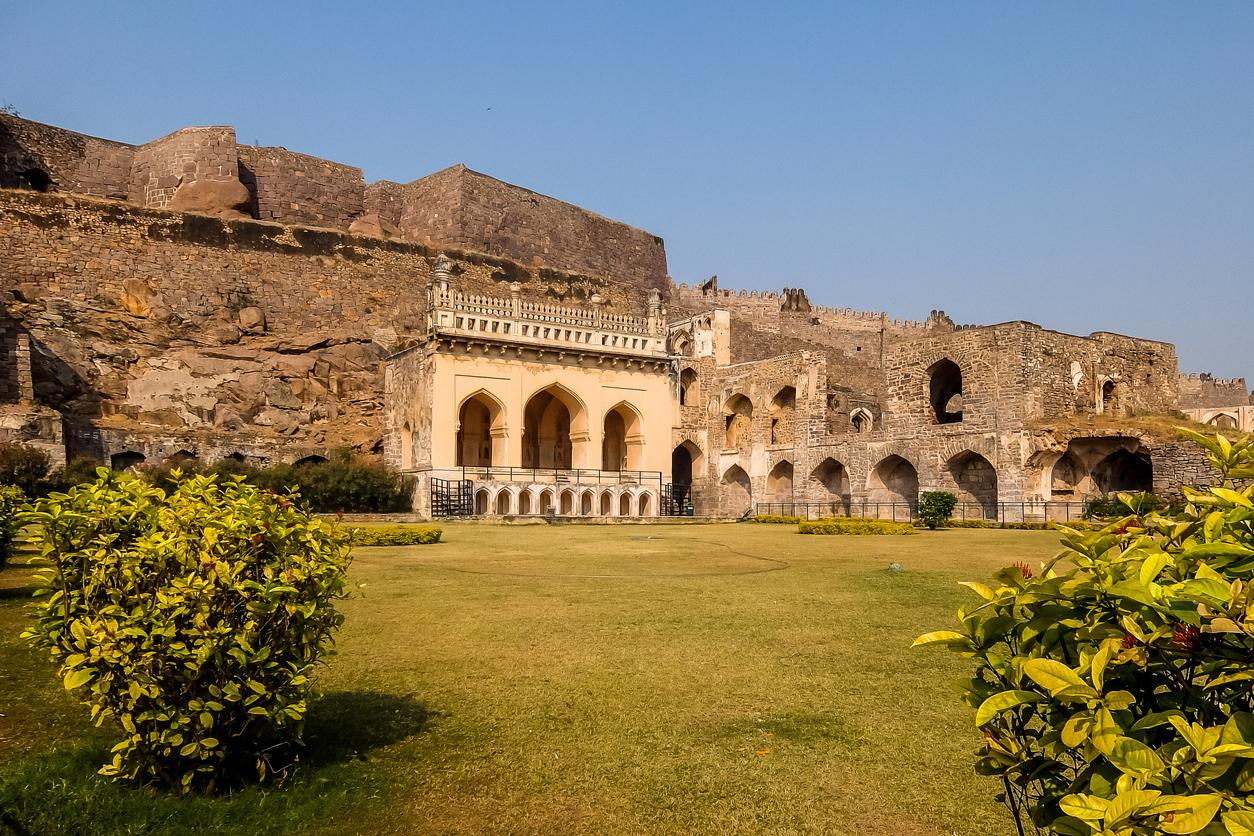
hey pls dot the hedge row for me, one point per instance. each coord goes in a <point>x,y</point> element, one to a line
<point>777,518</point>
<point>853,526</point>
<point>396,535</point>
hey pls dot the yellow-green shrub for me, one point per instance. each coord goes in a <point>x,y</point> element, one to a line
<point>1111,686</point>
<point>777,518</point>
<point>854,526</point>
<point>192,620</point>
<point>397,535</point>
<point>11,501</point>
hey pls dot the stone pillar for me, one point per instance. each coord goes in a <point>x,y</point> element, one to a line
<point>656,322</point>
<point>25,382</point>
<point>441,274</point>
<point>515,300</point>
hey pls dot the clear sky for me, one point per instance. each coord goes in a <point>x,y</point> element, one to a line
<point>1087,166</point>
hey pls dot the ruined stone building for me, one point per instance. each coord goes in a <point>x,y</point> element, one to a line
<point>517,355</point>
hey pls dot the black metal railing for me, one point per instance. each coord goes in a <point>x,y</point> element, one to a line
<point>676,501</point>
<point>451,498</point>
<point>1001,512</point>
<point>555,476</point>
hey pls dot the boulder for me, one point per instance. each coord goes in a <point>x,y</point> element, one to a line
<point>220,198</point>
<point>373,225</point>
<point>252,319</point>
<point>137,297</point>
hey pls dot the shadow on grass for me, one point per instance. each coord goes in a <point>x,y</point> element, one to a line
<point>345,725</point>
<point>59,793</point>
<point>16,592</point>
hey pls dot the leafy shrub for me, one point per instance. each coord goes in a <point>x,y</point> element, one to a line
<point>1113,689</point>
<point>193,620</point>
<point>854,526</point>
<point>23,466</point>
<point>396,535</point>
<point>77,471</point>
<point>349,483</point>
<point>777,518</point>
<point>1110,507</point>
<point>935,508</point>
<point>971,523</point>
<point>11,502</point>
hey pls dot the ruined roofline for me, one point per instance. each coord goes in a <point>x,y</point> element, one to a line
<point>775,297</point>
<point>461,169</point>
<point>1209,378</point>
<point>12,118</point>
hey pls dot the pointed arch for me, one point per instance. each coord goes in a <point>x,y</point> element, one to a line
<point>622,439</point>
<point>555,429</point>
<point>830,481</point>
<point>624,504</point>
<point>894,480</point>
<point>689,394</point>
<point>783,415</point>
<point>645,505</point>
<point>779,482</point>
<point>862,420</point>
<point>737,491</point>
<point>945,391</point>
<point>607,503</point>
<point>738,421</point>
<point>976,481</point>
<point>482,433</point>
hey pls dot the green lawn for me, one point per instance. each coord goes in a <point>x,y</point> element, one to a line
<point>588,679</point>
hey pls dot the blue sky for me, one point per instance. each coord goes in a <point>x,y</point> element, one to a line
<point>1085,166</point>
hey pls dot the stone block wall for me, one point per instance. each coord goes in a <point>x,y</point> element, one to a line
<point>470,210</point>
<point>72,161</point>
<point>1201,391</point>
<point>386,199</point>
<point>297,189</point>
<point>185,156</point>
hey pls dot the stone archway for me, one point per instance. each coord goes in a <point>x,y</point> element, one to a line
<point>555,430</point>
<point>622,442</point>
<point>976,482</point>
<point>894,481</point>
<point>779,483</point>
<point>1124,471</point>
<point>783,416</point>
<point>481,432</point>
<point>737,491</point>
<point>738,421</point>
<point>830,482</point>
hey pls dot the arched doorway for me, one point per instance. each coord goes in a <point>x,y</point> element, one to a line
<point>831,481</point>
<point>644,505</point>
<point>779,483</point>
<point>945,391</point>
<point>1064,478</point>
<point>894,481</point>
<point>585,504</point>
<point>525,504</point>
<point>1223,421</point>
<point>624,505</point>
<point>622,442</point>
<point>784,416</point>
<point>1124,471</point>
<point>568,503</point>
<point>504,503</point>
<point>481,502</point>
<point>737,493</point>
<point>480,432</point>
<point>976,481</point>
<point>607,504</point>
<point>126,460</point>
<point>555,430</point>
<point>546,502</point>
<point>738,421</point>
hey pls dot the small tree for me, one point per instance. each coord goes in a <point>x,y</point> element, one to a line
<point>23,466</point>
<point>11,502</point>
<point>935,508</point>
<point>1113,689</point>
<point>193,620</point>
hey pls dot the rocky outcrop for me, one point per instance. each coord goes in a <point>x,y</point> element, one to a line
<point>220,198</point>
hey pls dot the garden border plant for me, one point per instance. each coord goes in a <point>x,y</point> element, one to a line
<point>191,620</point>
<point>1113,687</point>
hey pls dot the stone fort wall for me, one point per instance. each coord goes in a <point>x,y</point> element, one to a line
<point>1201,391</point>
<point>457,207</point>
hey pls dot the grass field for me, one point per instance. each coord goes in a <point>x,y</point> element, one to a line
<point>588,679</point>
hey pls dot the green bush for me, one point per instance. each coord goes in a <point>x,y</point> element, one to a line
<point>23,466</point>
<point>969,523</point>
<point>346,482</point>
<point>935,508</point>
<point>191,619</point>
<point>396,535</point>
<point>777,518</point>
<point>1113,688</point>
<point>1109,507</point>
<point>854,526</point>
<point>12,501</point>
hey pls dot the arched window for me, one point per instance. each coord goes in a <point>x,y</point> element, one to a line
<point>738,420</point>
<point>688,394</point>
<point>861,420</point>
<point>945,391</point>
<point>784,416</point>
<point>1108,397</point>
